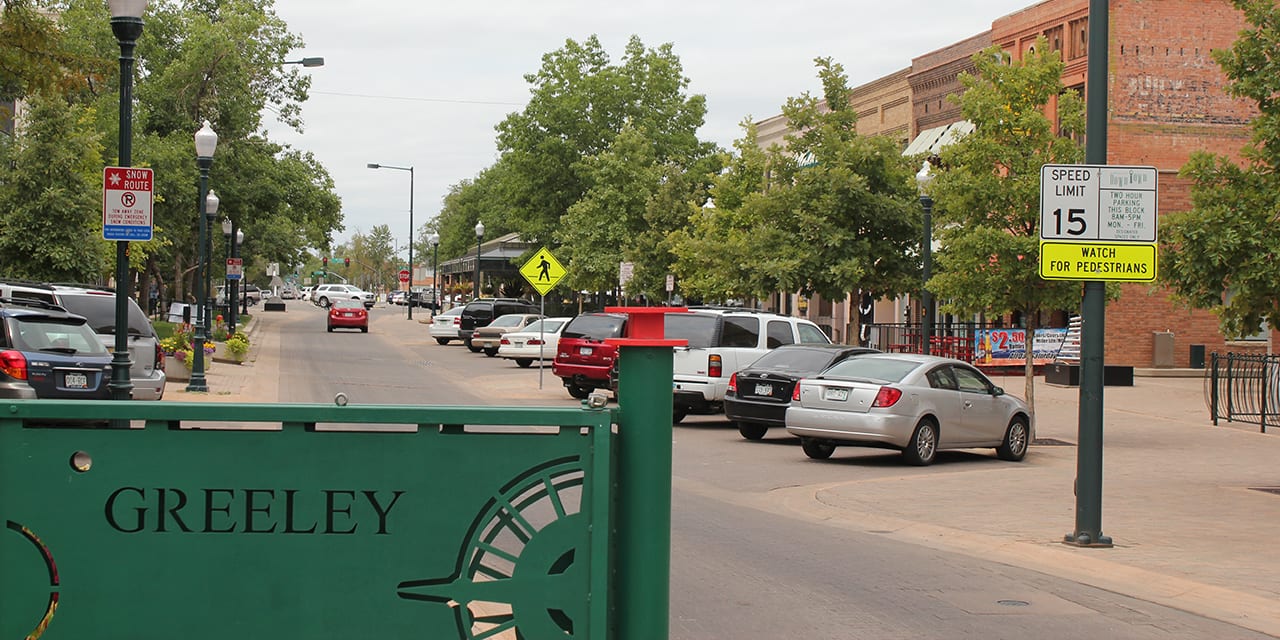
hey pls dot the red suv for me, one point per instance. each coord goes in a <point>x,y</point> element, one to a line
<point>583,360</point>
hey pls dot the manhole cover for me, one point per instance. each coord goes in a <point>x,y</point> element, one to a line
<point>1051,442</point>
<point>1013,603</point>
<point>1275,490</point>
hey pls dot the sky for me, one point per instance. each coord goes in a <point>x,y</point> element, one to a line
<point>423,84</point>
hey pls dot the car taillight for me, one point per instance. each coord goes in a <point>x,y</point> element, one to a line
<point>795,395</point>
<point>13,364</point>
<point>504,341</point>
<point>457,321</point>
<point>715,367</point>
<point>733,383</point>
<point>534,342</point>
<point>887,397</point>
<point>159,357</point>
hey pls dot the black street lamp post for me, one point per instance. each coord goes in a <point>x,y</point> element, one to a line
<point>923,178</point>
<point>228,227</point>
<point>234,291</point>
<point>475,293</point>
<point>409,294</point>
<point>434,238</point>
<point>242,289</point>
<point>126,24</point>
<point>206,144</point>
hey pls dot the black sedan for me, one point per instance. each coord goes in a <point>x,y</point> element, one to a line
<point>759,395</point>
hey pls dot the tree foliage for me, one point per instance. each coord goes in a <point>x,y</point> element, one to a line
<point>1221,254</point>
<point>846,221</point>
<point>987,190</point>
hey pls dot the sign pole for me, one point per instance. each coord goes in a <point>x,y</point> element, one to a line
<point>1088,531</point>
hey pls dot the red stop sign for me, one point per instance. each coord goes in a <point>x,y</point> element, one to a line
<point>404,275</point>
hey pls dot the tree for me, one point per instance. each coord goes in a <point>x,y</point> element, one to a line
<point>847,221</point>
<point>581,103</point>
<point>50,201</point>
<point>1221,254</point>
<point>987,191</point>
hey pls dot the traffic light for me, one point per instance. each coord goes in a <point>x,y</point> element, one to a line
<point>346,262</point>
<point>325,262</point>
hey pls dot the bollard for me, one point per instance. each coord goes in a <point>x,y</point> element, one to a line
<point>644,474</point>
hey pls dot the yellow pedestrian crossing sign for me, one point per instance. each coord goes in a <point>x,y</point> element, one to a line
<point>542,271</point>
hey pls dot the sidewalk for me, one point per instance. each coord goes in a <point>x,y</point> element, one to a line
<point>1179,495</point>
<point>1179,501</point>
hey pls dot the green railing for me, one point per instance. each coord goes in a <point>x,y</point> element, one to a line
<point>215,520</point>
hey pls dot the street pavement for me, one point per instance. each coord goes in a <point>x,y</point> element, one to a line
<point>1187,504</point>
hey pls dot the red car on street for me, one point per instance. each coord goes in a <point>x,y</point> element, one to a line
<point>583,361</point>
<point>348,314</point>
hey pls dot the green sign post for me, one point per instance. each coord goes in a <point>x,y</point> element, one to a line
<point>212,520</point>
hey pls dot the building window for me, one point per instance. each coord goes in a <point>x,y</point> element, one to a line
<point>1054,36</point>
<point>1078,45</point>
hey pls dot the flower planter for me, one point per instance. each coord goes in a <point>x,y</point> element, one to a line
<point>180,371</point>
<point>222,353</point>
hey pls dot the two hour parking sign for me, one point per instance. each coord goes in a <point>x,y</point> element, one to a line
<point>126,203</point>
<point>1098,222</point>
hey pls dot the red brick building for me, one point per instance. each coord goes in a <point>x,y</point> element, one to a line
<point>1166,101</point>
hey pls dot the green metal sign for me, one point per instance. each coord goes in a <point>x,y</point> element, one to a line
<point>438,531</point>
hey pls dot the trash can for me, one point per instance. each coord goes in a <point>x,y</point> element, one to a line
<point>1197,356</point>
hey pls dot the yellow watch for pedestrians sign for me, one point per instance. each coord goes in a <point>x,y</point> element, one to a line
<point>1098,222</point>
<point>542,271</point>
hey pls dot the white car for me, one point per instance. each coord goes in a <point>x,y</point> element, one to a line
<point>445,325</point>
<point>326,292</point>
<point>534,342</point>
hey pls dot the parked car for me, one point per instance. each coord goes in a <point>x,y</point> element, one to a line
<point>47,352</point>
<point>98,307</point>
<point>722,341</point>
<point>27,289</point>
<point>444,327</point>
<point>347,313</point>
<point>583,361</point>
<point>914,403</point>
<point>489,337</point>
<point>324,294</point>
<point>423,297</point>
<point>758,396</point>
<point>250,293</point>
<point>479,313</point>
<point>398,297</point>
<point>534,342</point>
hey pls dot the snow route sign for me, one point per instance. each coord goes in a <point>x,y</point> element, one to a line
<point>126,203</point>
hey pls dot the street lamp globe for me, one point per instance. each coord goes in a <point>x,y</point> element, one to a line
<point>226,227</point>
<point>206,141</point>
<point>239,236</point>
<point>126,8</point>
<point>479,229</point>
<point>924,177</point>
<point>211,204</point>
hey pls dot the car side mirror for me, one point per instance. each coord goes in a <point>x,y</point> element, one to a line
<point>997,391</point>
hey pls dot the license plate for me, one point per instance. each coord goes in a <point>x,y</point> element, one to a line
<point>835,395</point>
<point>764,389</point>
<point>76,381</point>
<point>586,351</point>
<point>517,343</point>
<point>348,314</point>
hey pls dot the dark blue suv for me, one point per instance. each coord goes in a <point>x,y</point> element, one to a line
<point>46,352</point>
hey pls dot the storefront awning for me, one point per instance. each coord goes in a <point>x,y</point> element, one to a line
<point>931,141</point>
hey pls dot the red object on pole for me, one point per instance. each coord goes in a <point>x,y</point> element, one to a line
<point>404,275</point>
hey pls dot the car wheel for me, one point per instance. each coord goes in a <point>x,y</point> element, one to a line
<point>442,341</point>
<point>491,352</point>
<point>324,302</point>
<point>330,329</point>
<point>752,430</point>
<point>524,362</point>
<point>471,347</point>
<point>678,414</point>
<point>364,329</point>
<point>816,449</point>
<point>580,393</point>
<point>1016,441</point>
<point>923,446</point>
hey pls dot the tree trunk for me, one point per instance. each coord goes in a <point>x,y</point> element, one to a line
<point>1033,320</point>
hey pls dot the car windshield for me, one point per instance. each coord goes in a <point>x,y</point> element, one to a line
<point>100,310</point>
<point>345,303</point>
<point>510,320</point>
<point>53,335</point>
<point>544,326</point>
<point>879,369</point>
<point>595,327</point>
<point>795,360</point>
